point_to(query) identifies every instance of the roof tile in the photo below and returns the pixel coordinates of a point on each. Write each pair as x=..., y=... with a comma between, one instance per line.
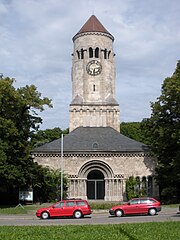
x=90, y=139
x=93, y=25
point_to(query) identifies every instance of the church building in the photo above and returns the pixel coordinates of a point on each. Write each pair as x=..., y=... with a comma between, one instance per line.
x=97, y=158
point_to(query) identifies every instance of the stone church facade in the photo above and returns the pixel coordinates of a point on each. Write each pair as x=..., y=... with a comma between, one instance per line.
x=97, y=158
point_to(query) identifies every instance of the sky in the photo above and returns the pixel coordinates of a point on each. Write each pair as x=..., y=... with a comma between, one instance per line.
x=36, y=46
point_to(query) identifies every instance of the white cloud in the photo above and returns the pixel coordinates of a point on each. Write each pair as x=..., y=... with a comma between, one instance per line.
x=36, y=46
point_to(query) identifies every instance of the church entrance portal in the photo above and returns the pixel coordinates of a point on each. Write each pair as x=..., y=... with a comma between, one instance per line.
x=95, y=185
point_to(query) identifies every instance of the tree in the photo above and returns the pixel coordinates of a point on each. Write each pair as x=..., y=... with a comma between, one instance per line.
x=163, y=131
x=18, y=121
x=46, y=184
x=43, y=136
x=135, y=188
x=133, y=130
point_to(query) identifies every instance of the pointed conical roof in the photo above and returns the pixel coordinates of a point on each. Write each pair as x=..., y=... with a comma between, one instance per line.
x=93, y=25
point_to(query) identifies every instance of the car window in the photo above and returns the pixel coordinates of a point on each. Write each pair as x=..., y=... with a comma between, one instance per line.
x=70, y=204
x=143, y=201
x=151, y=201
x=134, y=201
x=81, y=203
x=59, y=205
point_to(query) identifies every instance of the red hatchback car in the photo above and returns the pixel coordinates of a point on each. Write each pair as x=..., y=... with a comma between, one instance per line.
x=144, y=205
x=65, y=208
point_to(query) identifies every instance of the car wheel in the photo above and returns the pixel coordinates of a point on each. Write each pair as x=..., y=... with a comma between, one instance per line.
x=152, y=211
x=119, y=213
x=77, y=214
x=44, y=215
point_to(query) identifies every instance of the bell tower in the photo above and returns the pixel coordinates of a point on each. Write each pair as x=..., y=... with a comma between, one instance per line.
x=93, y=78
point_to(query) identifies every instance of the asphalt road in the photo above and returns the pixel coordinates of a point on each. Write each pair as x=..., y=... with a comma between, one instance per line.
x=166, y=214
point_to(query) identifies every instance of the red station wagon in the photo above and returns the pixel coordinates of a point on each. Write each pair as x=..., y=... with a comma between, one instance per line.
x=144, y=205
x=65, y=208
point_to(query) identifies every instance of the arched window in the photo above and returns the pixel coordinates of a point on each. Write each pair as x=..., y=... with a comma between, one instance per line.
x=82, y=53
x=105, y=53
x=94, y=87
x=144, y=186
x=96, y=52
x=137, y=187
x=109, y=54
x=78, y=54
x=90, y=52
x=150, y=186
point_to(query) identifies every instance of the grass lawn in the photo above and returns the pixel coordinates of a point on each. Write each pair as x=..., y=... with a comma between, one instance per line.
x=18, y=210
x=137, y=231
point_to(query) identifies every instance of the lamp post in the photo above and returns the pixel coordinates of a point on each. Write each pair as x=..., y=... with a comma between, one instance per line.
x=61, y=166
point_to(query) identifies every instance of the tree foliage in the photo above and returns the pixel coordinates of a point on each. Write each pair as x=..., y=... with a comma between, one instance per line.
x=47, y=184
x=133, y=130
x=163, y=131
x=135, y=188
x=44, y=136
x=130, y=188
x=18, y=120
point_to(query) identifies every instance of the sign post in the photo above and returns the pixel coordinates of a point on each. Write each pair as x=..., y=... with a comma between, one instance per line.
x=61, y=166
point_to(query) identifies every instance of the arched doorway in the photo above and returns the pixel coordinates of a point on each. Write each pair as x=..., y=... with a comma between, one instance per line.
x=95, y=185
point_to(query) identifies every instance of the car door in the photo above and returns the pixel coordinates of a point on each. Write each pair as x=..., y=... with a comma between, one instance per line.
x=144, y=205
x=69, y=208
x=57, y=209
x=132, y=207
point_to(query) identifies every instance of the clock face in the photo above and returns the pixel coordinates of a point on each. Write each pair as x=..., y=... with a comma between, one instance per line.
x=94, y=68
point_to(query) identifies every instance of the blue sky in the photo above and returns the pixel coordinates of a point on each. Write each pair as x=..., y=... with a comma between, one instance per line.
x=36, y=47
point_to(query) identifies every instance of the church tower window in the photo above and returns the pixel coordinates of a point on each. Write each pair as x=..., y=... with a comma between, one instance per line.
x=94, y=87
x=82, y=53
x=90, y=52
x=78, y=54
x=96, y=52
x=105, y=53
